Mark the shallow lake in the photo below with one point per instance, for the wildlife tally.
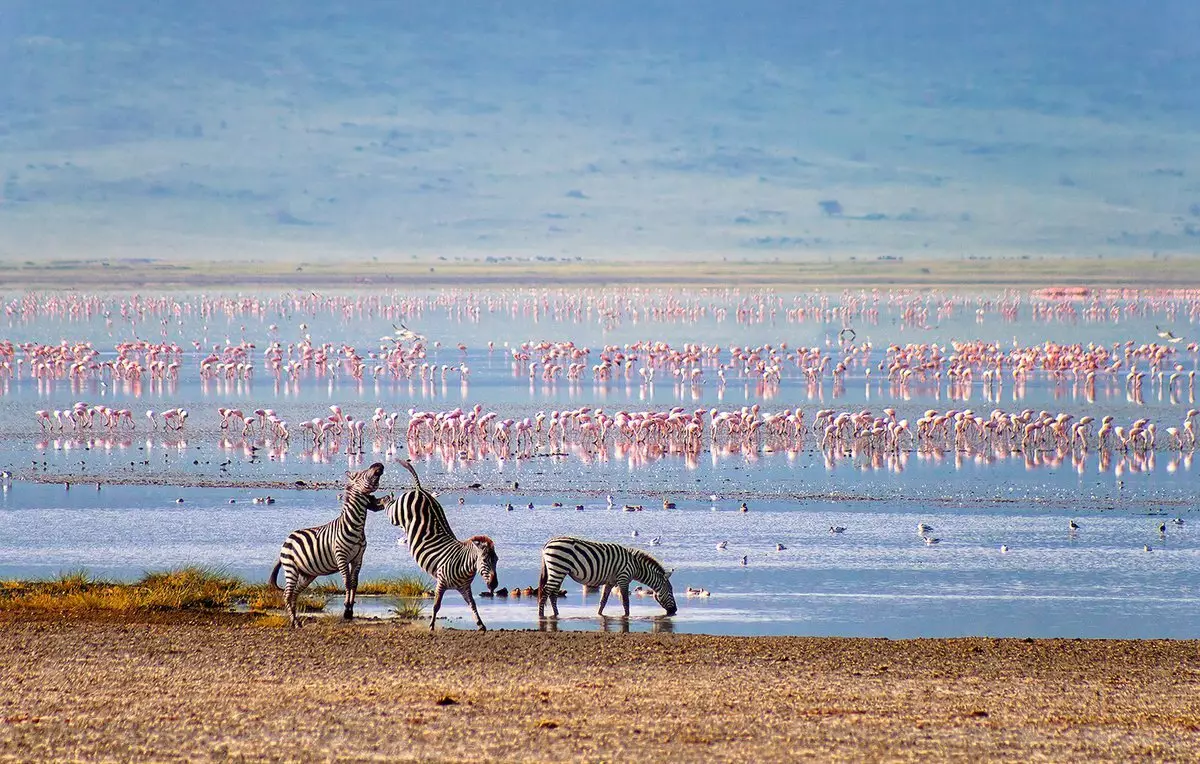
(877, 578)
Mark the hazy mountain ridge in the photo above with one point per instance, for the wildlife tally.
(627, 130)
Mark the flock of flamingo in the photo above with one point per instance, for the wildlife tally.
(1163, 367)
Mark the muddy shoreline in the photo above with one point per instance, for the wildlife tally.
(202, 687)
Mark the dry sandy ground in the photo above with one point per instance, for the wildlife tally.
(205, 688)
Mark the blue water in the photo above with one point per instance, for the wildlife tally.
(878, 578)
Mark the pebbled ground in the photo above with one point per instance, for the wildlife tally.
(187, 688)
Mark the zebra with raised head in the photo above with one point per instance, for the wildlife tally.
(335, 547)
(596, 563)
(452, 563)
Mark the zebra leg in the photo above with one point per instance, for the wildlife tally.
(291, 593)
(549, 588)
(624, 591)
(438, 592)
(351, 583)
(350, 580)
(470, 598)
(604, 591)
(289, 598)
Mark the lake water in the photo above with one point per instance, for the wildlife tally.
(878, 578)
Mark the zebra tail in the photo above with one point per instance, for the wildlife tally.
(545, 574)
(274, 580)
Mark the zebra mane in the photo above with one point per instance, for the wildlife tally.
(483, 540)
(650, 562)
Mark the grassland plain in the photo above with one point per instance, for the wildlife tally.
(175, 687)
(966, 273)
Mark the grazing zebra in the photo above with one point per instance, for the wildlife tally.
(335, 547)
(452, 563)
(595, 563)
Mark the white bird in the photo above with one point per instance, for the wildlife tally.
(610, 501)
(656, 541)
(780, 547)
(1148, 548)
(634, 534)
(1177, 521)
(745, 561)
(922, 528)
(1074, 526)
(1003, 548)
(930, 541)
(721, 545)
(837, 529)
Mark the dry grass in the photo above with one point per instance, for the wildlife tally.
(183, 589)
(189, 588)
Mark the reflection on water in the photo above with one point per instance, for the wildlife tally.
(1002, 567)
(994, 418)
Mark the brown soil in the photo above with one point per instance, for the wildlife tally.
(176, 688)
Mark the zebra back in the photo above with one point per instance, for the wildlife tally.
(421, 516)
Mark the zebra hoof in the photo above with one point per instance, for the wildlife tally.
(348, 614)
(481, 627)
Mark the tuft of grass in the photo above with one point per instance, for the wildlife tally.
(407, 608)
(260, 597)
(188, 588)
(403, 586)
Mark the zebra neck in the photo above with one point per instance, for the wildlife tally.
(650, 577)
(354, 509)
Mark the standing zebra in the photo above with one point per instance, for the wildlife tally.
(452, 563)
(595, 563)
(335, 547)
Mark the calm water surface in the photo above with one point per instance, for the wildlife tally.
(878, 578)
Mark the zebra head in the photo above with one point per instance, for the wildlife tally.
(365, 481)
(666, 595)
(486, 560)
(658, 578)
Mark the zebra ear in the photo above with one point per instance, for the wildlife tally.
(669, 572)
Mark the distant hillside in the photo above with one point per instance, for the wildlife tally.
(755, 130)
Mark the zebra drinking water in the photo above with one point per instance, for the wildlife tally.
(595, 563)
(335, 547)
(452, 563)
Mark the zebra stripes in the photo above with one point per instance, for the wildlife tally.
(335, 547)
(452, 563)
(595, 563)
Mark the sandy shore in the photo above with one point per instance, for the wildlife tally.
(214, 687)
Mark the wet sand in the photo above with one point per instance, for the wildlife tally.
(211, 687)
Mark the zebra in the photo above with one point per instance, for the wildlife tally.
(452, 563)
(595, 563)
(335, 547)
